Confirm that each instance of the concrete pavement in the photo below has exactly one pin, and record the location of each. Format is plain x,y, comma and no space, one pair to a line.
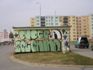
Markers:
7,64
83,52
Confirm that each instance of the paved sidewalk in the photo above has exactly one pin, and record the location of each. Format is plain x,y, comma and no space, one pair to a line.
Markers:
7,64
83,52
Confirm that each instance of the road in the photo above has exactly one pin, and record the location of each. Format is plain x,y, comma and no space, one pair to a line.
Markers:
7,64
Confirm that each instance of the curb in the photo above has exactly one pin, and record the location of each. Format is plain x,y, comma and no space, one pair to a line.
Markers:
44,65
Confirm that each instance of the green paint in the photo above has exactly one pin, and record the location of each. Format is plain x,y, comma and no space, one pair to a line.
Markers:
46,33
46,45
36,41
57,45
22,34
27,34
34,34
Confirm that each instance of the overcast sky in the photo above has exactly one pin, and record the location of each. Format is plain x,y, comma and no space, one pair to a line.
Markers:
18,12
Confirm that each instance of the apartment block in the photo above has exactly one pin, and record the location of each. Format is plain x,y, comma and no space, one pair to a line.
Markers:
83,26
70,21
64,20
52,21
38,21
91,26
45,21
80,25
4,36
73,29
32,22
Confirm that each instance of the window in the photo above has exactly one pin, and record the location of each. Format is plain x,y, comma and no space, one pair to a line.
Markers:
37,17
74,32
56,20
51,23
73,16
74,20
79,20
46,17
46,20
60,20
56,17
74,38
37,23
92,18
46,23
49,20
51,17
37,20
84,20
85,32
74,35
56,23
65,21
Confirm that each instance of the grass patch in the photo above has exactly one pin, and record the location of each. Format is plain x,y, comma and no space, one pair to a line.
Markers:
55,58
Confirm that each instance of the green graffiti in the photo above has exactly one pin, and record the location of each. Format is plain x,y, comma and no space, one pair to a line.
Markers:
37,46
22,34
27,35
46,33
17,46
36,41
34,34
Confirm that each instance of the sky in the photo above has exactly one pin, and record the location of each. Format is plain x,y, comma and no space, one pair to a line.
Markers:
18,12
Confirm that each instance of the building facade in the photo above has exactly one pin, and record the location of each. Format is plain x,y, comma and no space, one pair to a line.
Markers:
91,26
41,39
80,25
73,30
45,21
4,36
63,20
33,22
83,26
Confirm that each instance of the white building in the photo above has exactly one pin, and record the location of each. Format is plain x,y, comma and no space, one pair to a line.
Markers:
41,21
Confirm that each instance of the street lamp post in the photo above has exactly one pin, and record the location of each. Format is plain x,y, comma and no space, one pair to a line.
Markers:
39,8
40,12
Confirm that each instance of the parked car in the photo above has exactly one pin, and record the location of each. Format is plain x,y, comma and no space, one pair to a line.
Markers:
92,47
82,42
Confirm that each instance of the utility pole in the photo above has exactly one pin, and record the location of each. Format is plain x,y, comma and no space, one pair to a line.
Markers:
55,17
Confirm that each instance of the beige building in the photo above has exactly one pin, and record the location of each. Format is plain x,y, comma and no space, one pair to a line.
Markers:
63,20
91,26
70,21
73,30
32,22
83,26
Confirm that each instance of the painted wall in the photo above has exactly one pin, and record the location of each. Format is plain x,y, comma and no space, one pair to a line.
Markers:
37,40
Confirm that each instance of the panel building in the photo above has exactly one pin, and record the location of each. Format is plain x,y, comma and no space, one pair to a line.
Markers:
45,21
80,25
83,26
4,36
91,26
32,22
73,30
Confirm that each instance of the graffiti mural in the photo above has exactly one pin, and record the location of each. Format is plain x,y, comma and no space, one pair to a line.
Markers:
37,40
41,39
